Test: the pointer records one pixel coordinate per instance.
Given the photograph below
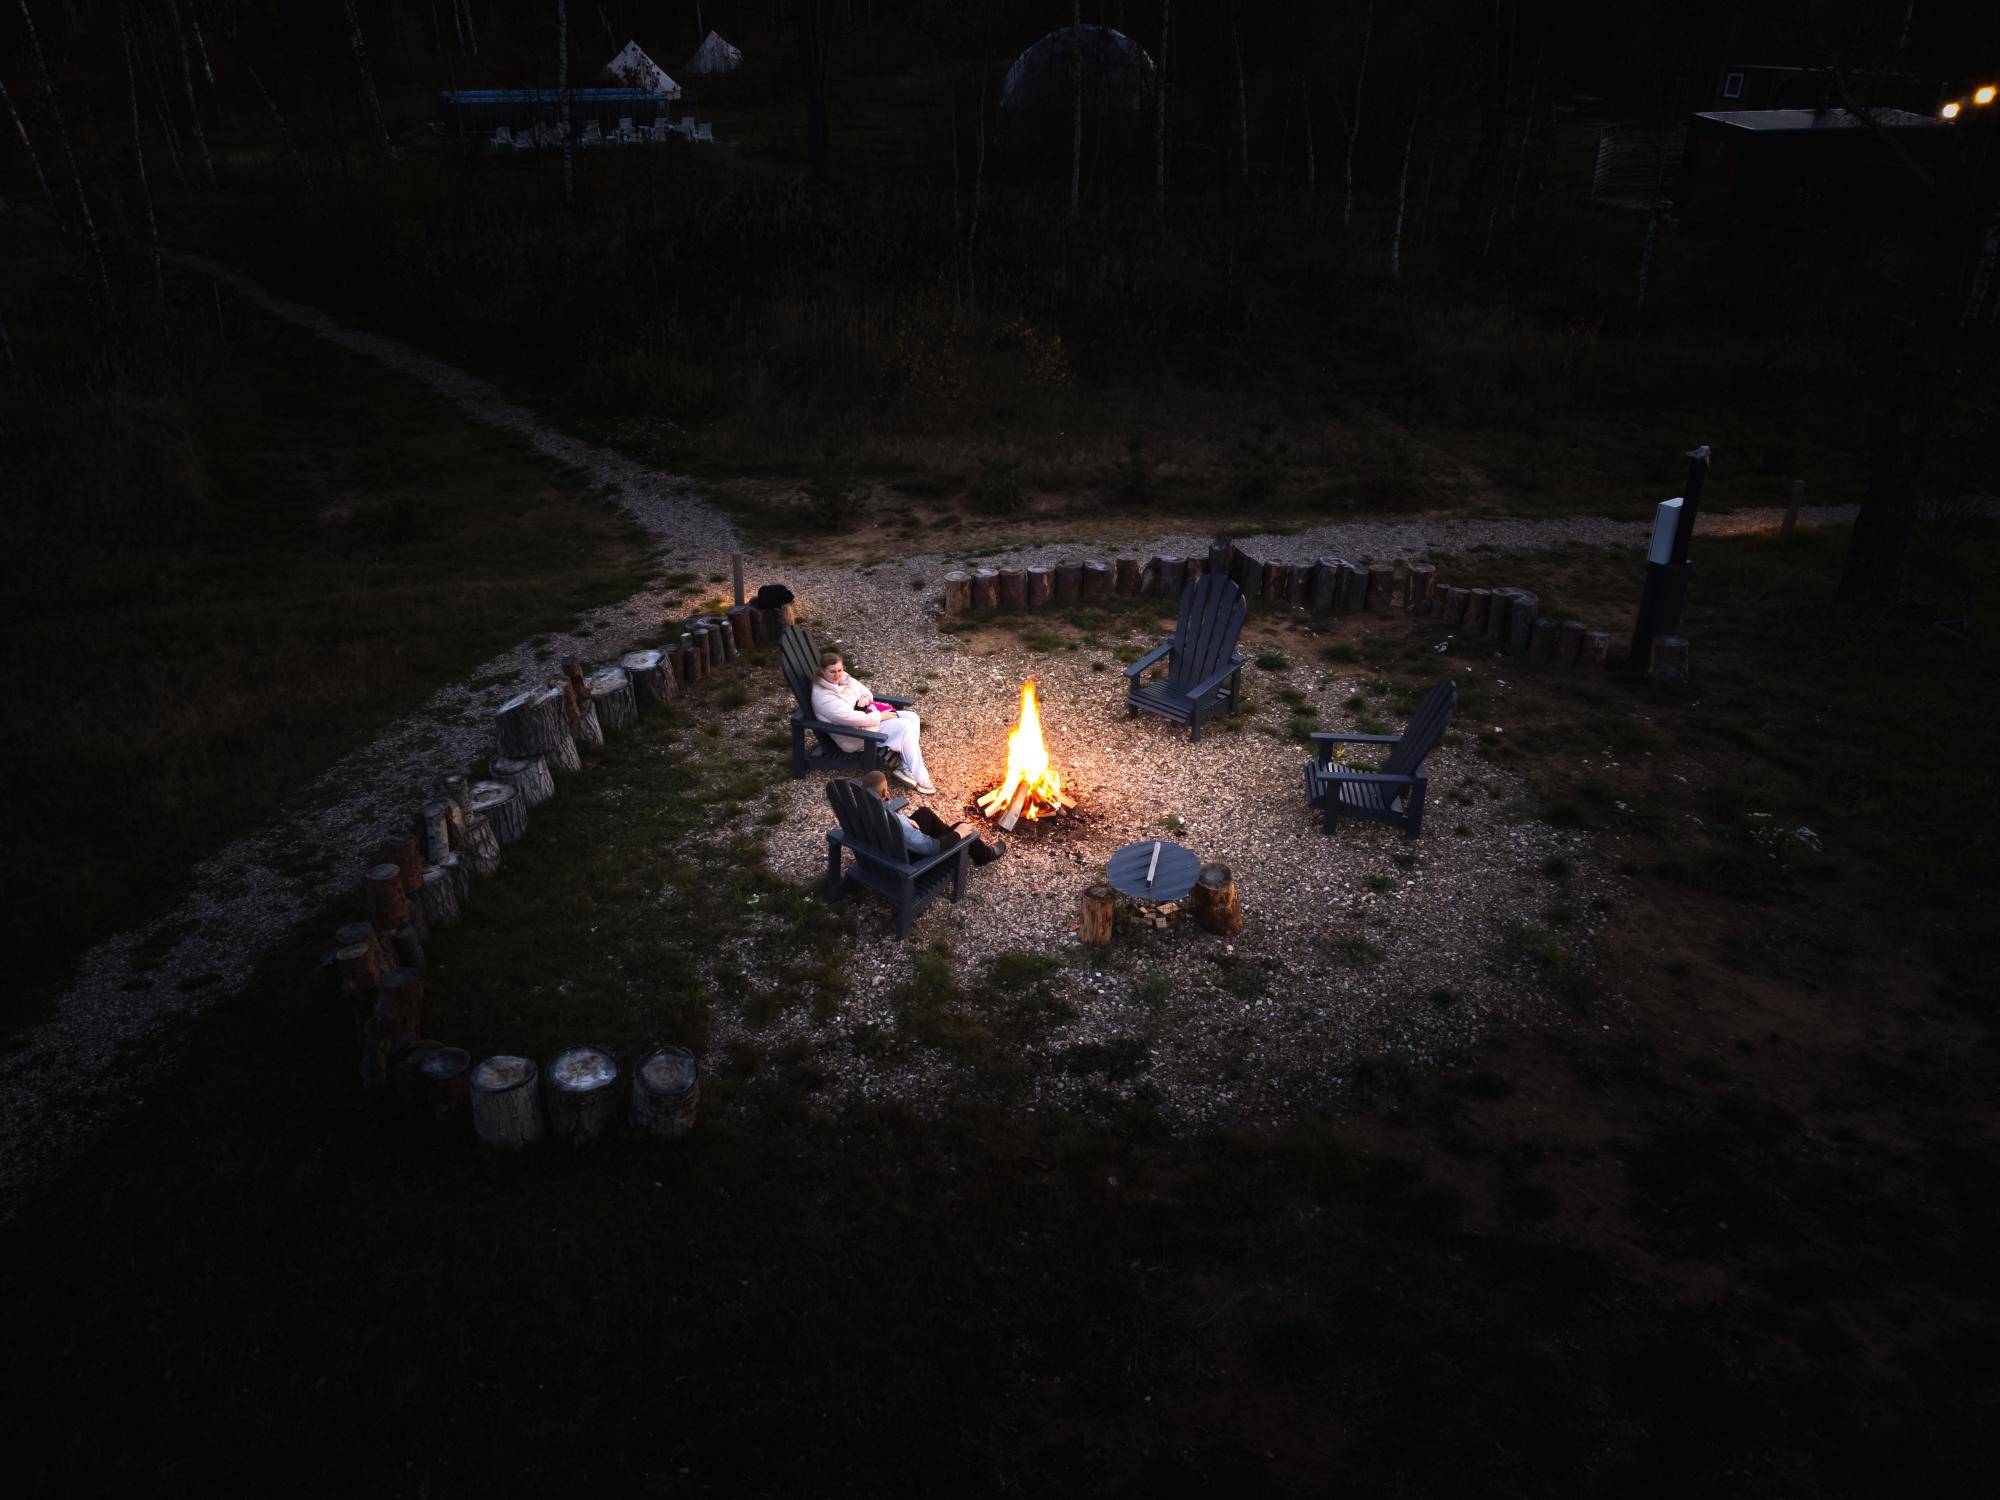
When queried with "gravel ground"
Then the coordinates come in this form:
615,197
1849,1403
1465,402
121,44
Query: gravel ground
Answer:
112,1030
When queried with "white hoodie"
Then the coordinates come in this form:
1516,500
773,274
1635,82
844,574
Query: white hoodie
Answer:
846,704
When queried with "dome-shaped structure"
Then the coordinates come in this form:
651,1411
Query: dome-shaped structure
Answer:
1037,108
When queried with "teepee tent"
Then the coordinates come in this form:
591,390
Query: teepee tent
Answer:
714,55
637,71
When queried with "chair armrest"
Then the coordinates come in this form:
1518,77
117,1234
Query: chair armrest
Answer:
1148,659
1378,778
1203,689
873,736
921,866
1334,737
897,804
899,702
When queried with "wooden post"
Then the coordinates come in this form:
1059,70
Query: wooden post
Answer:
1792,510
743,623
530,723
957,594
1040,587
1499,614
1542,645
1669,667
1355,597
1214,902
1382,586
400,850
1521,619
1299,588
506,1103
1569,645
564,757
1069,582
1417,593
1325,573
721,642
1013,589
482,848
1094,927
1247,568
388,905
1163,576
503,807
653,684
440,897
1456,601
666,1092
701,651
582,1092
1596,644
736,573
1477,604
611,694
986,589
440,1079
1096,582
1218,555
1277,575
1126,583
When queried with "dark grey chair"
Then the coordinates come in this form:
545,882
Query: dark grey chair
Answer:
1372,795
1202,665
799,658
870,830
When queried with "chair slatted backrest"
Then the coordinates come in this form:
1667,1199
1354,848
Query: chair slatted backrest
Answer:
1212,613
1426,727
865,818
800,659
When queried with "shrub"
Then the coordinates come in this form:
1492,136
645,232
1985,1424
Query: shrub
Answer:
996,488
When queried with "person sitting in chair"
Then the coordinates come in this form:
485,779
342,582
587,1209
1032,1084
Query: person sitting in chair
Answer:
927,833
839,699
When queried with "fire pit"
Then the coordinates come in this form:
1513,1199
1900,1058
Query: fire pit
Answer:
1032,786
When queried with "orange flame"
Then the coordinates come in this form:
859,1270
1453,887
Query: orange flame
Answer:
1028,758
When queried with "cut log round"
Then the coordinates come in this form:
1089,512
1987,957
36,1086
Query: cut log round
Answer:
697,638
581,1095
1041,587
721,640
1355,595
1477,605
1277,578
1161,576
1013,588
687,660
1125,582
1418,595
1099,905
1218,555
957,593
444,1078
506,1103
1669,667
460,875
482,848
564,757
1382,586
616,703
1456,602
530,723
1326,572
409,1071
743,628
1246,569
502,807
652,684
589,728
1521,615
1069,582
360,966
666,1091
986,588
1213,901
1500,615
440,897
388,902
1542,643
1299,590
437,828
402,1001
1096,582
530,778
1596,644
400,849
1569,646
409,942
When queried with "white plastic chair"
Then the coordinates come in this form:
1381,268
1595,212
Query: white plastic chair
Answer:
593,134
705,132
502,136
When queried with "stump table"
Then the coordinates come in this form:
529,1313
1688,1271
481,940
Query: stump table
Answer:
1153,870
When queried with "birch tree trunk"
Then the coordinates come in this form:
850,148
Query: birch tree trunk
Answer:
1305,113
1242,101
562,93
69,155
368,95
471,31
1402,198
1354,120
139,156
163,102
21,128
284,131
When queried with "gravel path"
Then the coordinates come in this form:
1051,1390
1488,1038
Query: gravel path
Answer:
112,1031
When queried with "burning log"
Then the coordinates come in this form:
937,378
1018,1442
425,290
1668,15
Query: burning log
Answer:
1032,786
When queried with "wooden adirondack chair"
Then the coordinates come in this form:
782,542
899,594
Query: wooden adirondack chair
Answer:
800,659
871,831
1372,795
1201,658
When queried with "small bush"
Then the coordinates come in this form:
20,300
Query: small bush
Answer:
997,488
1272,661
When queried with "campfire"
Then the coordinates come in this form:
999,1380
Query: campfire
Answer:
1032,786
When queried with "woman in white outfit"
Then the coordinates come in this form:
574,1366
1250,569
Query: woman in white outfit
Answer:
839,699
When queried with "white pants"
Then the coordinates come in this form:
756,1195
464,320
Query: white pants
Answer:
902,732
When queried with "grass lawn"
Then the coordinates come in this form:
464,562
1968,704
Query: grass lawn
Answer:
1723,1228
362,544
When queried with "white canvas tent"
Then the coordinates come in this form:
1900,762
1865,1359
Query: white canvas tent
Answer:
714,55
637,71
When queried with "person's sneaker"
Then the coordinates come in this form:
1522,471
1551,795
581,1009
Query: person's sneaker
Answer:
906,779
999,847
926,789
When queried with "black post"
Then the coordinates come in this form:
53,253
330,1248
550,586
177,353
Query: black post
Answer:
1667,564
